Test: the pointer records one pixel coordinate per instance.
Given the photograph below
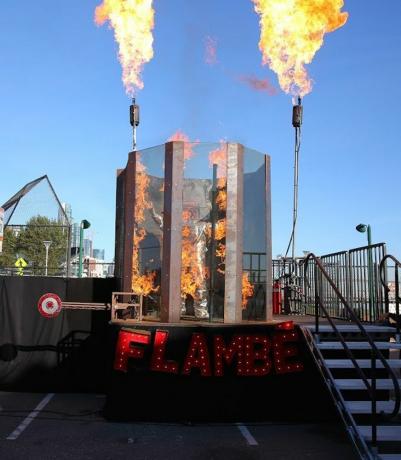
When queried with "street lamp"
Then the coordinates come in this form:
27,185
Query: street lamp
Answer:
84,225
47,246
362,228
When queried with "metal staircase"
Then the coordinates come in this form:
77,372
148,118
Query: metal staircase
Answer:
360,365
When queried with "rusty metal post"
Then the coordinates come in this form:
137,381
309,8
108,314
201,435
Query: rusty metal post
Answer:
172,228
234,233
268,210
119,228
128,221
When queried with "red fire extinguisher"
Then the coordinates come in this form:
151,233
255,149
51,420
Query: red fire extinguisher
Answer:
276,298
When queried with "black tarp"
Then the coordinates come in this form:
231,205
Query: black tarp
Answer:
42,360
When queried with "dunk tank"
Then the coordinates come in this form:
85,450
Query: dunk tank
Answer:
191,335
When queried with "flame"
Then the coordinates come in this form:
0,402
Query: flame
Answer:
247,290
257,84
133,22
188,146
219,157
220,231
141,284
210,50
292,32
192,270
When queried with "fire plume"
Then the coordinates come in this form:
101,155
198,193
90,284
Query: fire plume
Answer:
188,146
192,272
247,290
141,284
292,31
219,157
133,22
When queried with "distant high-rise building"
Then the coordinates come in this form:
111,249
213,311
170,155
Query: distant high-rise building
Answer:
67,212
75,238
88,247
98,254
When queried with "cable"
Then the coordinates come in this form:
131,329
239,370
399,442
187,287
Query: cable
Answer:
297,149
297,112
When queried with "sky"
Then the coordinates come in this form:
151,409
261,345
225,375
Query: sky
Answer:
64,112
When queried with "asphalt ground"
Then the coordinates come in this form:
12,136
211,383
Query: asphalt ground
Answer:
66,426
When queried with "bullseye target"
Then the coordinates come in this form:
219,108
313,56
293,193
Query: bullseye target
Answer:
49,305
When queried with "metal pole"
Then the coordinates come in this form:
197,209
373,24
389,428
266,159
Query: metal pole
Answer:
397,304
373,396
297,112
47,259
47,245
317,312
68,271
372,311
212,259
295,197
81,243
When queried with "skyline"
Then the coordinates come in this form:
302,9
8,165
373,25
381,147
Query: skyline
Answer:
62,92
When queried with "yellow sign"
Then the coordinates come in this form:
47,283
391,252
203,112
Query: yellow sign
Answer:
20,264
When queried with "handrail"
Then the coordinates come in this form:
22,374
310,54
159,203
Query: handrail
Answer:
371,387
397,288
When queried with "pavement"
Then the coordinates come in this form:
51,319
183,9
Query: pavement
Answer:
66,426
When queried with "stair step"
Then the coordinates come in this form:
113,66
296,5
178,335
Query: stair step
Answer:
358,345
352,328
364,363
384,432
358,384
365,407
390,456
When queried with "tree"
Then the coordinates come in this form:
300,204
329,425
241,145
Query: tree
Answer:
27,242
7,257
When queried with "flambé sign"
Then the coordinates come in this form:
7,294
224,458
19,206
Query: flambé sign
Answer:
207,354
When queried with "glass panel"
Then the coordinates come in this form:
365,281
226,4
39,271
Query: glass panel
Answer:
148,230
203,231
254,259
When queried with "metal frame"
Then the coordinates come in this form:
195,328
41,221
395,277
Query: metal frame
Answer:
172,224
375,352
349,422
116,305
269,261
383,279
129,220
234,234
170,310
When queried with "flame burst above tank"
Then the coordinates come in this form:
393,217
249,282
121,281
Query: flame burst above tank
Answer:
132,22
292,31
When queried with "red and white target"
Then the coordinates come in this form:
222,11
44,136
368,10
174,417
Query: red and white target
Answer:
49,305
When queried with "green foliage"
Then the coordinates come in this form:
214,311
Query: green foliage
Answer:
27,242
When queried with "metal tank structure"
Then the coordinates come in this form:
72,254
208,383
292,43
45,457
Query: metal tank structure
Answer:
187,214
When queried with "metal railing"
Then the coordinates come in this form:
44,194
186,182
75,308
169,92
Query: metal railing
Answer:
375,352
397,299
90,270
355,273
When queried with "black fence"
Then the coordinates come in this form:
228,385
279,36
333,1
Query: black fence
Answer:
354,272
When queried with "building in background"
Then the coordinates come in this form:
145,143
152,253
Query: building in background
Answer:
98,254
88,247
62,215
